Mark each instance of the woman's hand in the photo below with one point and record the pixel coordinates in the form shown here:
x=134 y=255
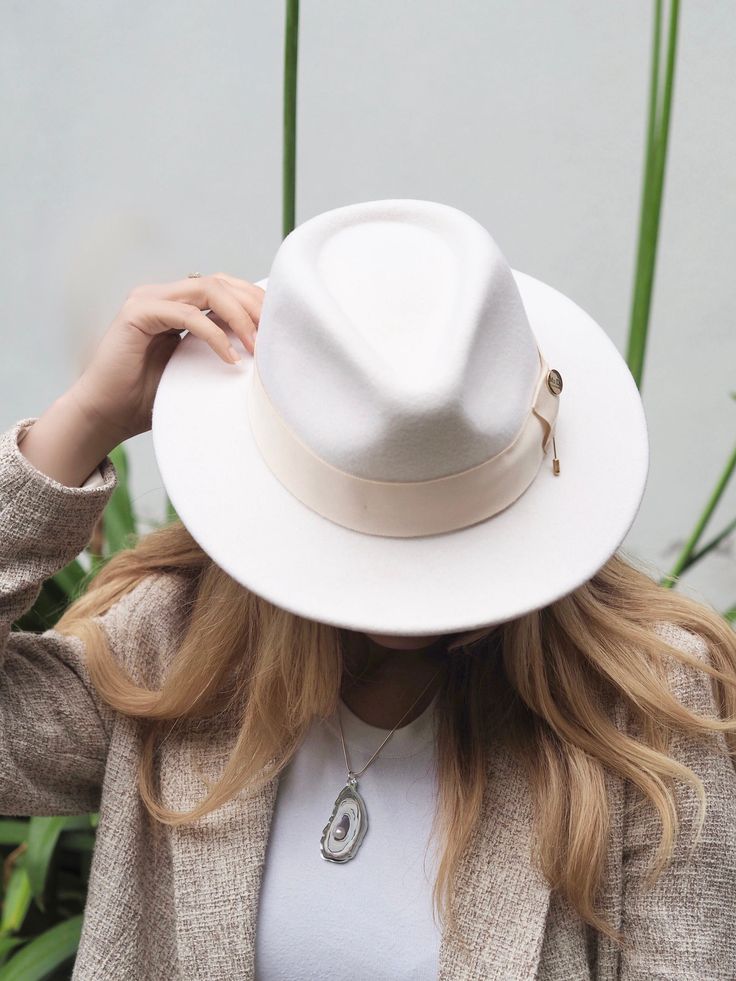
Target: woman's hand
x=113 y=398
x=119 y=384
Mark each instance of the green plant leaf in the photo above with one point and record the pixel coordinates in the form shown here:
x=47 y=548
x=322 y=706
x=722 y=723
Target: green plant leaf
x=71 y=579
x=685 y=557
x=17 y=899
x=46 y=610
x=661 y=86
x=288 y=169
x=79 y=841
x=46 y=952
x=711 y=545
x=13 y=831
x=8 y=945
x=118 y=518
x=171 y=514
x=43 y=835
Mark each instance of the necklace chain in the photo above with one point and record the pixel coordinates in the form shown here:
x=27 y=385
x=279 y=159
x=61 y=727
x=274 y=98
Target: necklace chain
x=353 y=775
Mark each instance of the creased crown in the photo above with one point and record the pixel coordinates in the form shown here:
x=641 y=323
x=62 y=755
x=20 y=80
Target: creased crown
x=394 y=342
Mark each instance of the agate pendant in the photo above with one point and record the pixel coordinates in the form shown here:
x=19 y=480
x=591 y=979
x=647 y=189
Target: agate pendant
x=344 y=832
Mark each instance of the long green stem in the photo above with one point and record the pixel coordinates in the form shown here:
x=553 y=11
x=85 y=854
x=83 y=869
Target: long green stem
x=291 y=49
x=658 y=124
x=684 y=557
x=710 y=545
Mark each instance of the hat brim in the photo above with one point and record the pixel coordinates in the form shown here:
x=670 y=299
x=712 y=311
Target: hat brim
x=552 y=539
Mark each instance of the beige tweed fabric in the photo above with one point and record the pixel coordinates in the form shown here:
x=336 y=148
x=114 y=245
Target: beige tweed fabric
x=181 y=903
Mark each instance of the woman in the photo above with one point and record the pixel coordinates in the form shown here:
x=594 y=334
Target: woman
x=569 y=760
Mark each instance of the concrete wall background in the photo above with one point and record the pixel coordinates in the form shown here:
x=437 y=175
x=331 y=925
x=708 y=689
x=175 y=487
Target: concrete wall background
x=144 y=141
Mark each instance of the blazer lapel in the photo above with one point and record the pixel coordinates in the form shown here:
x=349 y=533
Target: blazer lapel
x=217 y=863
x=501 y=900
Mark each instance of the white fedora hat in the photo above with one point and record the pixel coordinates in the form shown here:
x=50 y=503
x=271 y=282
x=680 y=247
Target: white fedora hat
x=386 y=461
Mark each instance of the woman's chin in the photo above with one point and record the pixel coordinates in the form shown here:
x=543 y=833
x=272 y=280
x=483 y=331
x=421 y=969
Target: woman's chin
x=405 y=643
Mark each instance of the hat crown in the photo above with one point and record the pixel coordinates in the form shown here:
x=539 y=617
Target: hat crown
x=393 y=340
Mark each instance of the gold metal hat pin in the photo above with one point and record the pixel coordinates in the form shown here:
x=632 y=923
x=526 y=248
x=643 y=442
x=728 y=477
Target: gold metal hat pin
x=554 y=384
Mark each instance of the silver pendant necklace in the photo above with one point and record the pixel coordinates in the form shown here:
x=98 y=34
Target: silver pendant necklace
x=343 y=834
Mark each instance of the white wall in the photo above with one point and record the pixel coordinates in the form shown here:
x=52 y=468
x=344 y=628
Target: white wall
x=143 y=141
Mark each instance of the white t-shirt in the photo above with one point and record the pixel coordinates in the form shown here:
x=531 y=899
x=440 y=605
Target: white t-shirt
x=368 y=919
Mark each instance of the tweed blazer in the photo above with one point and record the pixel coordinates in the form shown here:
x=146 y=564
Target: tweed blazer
x=181 y=903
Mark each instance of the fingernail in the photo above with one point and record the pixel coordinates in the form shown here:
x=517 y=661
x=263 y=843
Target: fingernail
x=233 y=354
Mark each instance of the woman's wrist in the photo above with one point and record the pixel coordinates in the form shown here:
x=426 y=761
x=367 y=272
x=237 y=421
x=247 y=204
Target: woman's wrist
x=66 y=442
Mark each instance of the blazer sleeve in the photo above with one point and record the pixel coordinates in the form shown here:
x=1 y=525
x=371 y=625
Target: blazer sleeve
x=685 y=926
x=54 y=731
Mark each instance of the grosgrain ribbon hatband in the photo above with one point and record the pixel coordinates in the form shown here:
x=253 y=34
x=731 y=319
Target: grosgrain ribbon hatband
x=406 y=509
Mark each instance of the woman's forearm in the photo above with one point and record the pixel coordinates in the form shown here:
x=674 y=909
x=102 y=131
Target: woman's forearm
x=66 y=443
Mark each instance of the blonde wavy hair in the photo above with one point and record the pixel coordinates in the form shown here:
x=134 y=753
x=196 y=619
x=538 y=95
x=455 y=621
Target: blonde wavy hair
x=551 y=677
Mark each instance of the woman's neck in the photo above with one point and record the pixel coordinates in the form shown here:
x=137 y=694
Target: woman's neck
x=380 y=683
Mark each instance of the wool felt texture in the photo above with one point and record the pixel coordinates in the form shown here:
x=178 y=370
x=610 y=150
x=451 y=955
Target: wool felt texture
x=182 y=903
x=404 y=508
x=398 y=344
